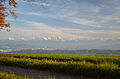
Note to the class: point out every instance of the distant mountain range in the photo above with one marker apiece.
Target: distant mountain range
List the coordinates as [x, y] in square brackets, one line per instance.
[57, 51]
[68, 44]
[95, 47]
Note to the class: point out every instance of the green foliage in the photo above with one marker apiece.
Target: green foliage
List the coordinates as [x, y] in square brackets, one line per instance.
[97, 66]
[11, 76]
[65, 58]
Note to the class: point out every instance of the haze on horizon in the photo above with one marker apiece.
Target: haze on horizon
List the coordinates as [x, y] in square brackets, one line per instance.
[79, 23]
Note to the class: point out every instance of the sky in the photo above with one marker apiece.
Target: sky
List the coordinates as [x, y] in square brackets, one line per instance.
[67, 20]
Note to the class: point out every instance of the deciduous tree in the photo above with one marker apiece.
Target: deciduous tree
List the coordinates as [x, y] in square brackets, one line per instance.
[6, 9]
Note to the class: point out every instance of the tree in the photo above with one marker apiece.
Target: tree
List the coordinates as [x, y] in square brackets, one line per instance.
[6, 10]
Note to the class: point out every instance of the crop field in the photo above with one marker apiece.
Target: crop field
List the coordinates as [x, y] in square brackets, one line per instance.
[96, 66]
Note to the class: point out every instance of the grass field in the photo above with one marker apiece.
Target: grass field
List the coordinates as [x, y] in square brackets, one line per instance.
[96, 66]
[11, 76]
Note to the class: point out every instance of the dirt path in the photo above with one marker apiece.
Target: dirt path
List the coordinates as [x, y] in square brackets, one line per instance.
[36, 73]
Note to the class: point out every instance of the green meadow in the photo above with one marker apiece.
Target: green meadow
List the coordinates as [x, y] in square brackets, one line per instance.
[11, 76]
[95, 66]
[14, 76]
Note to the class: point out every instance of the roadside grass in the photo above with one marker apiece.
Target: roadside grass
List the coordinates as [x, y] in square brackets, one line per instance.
[67, 57]
[4, 75]
[11, 76]
[96, 66]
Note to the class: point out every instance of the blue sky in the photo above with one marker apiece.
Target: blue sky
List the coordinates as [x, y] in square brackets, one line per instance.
[62, 20]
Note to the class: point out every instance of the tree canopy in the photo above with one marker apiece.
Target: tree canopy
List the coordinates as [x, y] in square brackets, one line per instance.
[6, 9]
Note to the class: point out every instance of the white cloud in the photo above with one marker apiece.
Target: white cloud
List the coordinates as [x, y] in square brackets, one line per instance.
[46, 38]
[44, 4]
[11, 38]
[49, 32]
[22, 38]
[80, 31]
[109, 18]
[88, 16]
[42, 30]
[86, 22]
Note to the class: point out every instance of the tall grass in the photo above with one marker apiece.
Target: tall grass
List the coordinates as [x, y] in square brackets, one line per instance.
[65, 58]
[106, 70]
[97, 66]
[4, 75]
[11, 76]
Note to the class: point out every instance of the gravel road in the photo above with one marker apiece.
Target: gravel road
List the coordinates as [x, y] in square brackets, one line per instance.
[36, 73]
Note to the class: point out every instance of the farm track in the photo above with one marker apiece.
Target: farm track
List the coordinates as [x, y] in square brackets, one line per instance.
[36, 73]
